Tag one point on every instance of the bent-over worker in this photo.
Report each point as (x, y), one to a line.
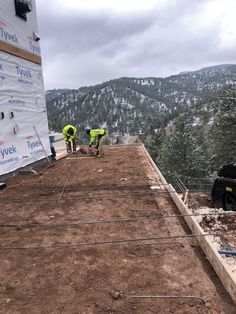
(96, 137)
(69, 134)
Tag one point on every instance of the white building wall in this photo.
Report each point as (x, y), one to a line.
(22, 100)
(16, 31)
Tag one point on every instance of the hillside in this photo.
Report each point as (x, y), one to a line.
(136, 105)
(207, 113)
(199, 141)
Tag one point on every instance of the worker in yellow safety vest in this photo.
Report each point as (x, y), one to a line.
(96, 137)
(69, 136)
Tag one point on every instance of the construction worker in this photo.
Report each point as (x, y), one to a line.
(96, 137)
(69, 134)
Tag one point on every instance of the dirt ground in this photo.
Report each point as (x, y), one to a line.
(99, 277)
(224, 222)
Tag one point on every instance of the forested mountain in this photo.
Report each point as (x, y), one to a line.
(137, 105)
(187, 121)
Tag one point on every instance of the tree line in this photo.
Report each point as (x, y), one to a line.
(198, 151)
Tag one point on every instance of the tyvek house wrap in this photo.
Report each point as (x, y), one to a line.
(22, 103)
(17, 32)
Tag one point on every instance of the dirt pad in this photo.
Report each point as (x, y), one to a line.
(222, 221)
(97, 277)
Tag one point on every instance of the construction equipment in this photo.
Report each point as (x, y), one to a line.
(224, 189)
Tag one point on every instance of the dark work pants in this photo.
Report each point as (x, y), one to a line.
(68, 146)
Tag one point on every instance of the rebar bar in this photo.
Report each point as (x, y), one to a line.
(182, 184)
(167, 297)
(182, 187)
(64, 187)
(93, 222)
(97, 187)
(95, 197)
(74, 245)
(227, 246)
(178, 185)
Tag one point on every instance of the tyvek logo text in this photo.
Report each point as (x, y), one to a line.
(7, 36)
(7, 154)
(34, 147)
(34, 48)
(25, 75)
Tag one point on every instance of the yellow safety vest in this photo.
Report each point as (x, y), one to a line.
(66, 136)
(94, 135)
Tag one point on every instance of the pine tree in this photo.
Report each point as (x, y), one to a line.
(224, 128)
(185, 153)
(173, 157)
(155, 144)
(201, 154)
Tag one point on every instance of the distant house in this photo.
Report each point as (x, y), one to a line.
(22, 102)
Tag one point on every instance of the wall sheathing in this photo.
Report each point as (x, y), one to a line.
(22, 100)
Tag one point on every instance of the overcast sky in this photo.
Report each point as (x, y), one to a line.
(87, 42)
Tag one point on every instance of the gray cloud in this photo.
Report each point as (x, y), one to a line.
(88, 47)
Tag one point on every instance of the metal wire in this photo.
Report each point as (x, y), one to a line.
(93, 222)
(69, 173)
(64, 187)
(167, 297)
(227, 246)
(182, 184)
(182, 189)
(74, 245)
(157, 193)
(206, 178)
(178, 185)
(97, 187)
(92, 187)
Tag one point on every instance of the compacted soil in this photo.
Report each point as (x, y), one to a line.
(57, 257)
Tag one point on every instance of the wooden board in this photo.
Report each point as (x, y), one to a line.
(21, 53)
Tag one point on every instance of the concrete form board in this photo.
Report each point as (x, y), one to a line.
(224, 271)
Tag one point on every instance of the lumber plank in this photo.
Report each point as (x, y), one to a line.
(21, 53)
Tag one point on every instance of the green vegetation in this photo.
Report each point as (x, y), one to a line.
(187, 121)
(198, 151)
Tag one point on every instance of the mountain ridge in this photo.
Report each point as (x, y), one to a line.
(136, 105)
